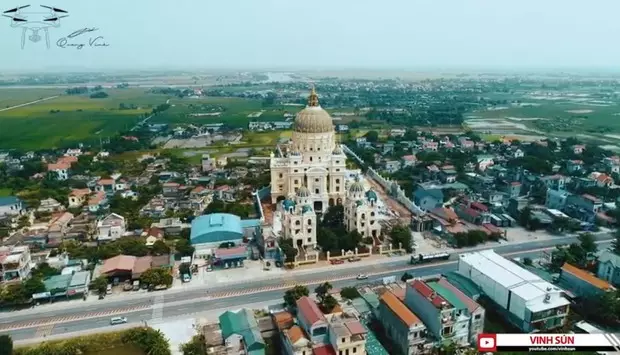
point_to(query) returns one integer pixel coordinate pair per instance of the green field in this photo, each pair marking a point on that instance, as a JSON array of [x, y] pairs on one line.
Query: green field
[[562, 115], [5, 192], [70, 118]]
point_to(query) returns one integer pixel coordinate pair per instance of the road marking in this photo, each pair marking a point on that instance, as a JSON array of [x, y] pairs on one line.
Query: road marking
[[44, 331], [58, 320]]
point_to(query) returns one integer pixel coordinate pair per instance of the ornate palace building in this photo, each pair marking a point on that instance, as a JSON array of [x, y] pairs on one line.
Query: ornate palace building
[[313, 160]]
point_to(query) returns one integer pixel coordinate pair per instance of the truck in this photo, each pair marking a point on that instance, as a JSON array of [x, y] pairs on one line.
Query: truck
[[429, 258]]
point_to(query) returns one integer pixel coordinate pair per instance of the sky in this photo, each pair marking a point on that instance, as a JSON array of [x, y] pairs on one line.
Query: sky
[[321, 34]]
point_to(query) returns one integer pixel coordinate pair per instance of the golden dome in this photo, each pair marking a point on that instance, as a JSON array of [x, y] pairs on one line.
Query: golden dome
[[313, 119]]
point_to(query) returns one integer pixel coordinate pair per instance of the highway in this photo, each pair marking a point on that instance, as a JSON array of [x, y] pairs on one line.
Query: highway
[[77, 316]]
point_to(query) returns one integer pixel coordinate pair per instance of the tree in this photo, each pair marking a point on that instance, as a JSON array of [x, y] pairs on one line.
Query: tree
[[349, 293], [196, 346], [44, 270], [33, 285], [406, 276], [184, 248], [527, 261], [587, 243], [327, 302], [322, 291], [160, 248], [333, 217], [291, 296], [372, 136], [100, 284], [6, 345], [14, 294], [401, 236], [156, 277], [289, 251]]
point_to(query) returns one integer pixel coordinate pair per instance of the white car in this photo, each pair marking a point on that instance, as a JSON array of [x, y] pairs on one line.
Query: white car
[[118, 320], [362, 277]]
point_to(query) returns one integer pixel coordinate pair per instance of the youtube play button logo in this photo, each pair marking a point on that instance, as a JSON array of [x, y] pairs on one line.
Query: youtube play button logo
[[486, 343]]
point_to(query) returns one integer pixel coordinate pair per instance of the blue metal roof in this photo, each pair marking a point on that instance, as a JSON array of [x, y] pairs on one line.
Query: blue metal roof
[[216, 227], [9, 200], [250, 223]]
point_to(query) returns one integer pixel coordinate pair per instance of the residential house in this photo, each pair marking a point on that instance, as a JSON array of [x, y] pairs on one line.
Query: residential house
[[98, 202], [346, 334], [484, 162], [555, 182], [609, 267], [155, 208], [403, 327], [77, 197], [392, 166], [612, 164], [361, 142], [475, 311], [106, 185], [557, 199], [466, 143], [581, 282], [470, 215], [397, 132], [153, 235], [73, 152], [15, 263], [578, 149], [61, 168], [295, 341], [225, 193], [170, 226], [49, 205], [518, 153], [111, 227], [428, 196], [584, 207], [408, 160], [171, 189], [58, 227], [312, 320], [602, 179], [242, 324], [11, 207], [574, 166], [445, 319], [430, 146], [514, 189]]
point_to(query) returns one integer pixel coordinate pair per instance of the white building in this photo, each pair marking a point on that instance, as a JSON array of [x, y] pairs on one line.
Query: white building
[[313, 160], [529, 302], [15, 263], [111, 227], [361, 211], [299, 220]]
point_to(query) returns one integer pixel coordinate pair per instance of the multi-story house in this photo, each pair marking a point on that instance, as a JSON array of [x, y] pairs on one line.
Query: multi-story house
[[11, 208], [61, 168], [582, 283], [402, 326], [609, 267], [98, 202], [171, 189], [555, 182], [50, 205], [409, 160], [445, 319], [476, 311], [106, 186], [584, 207], [111, 227], [346, 334], [556, 199], [428, 196], [574, 166], [15, 263], [312, 320], [392, 166]]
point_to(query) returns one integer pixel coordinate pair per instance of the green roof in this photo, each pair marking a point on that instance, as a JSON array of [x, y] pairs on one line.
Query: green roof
[[464, 284], [57, 283], [243, 323], [447, 294], [371, 298], [373, 346], [253, 340]]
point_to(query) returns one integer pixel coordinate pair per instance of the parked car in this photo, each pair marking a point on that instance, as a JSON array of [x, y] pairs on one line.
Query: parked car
[[354, 258], [362, 277], [209, 268], [108, 290], [118, 320], [186, 278], [336, 262]]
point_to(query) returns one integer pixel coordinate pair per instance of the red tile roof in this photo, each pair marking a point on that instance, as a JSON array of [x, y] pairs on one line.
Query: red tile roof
[[324, 350], [428, 293], [491, 228], [223, 252], [79, 192], [58, 166], [356, 327], [118, 263], [309, 310], [515, 183], [479, 206]]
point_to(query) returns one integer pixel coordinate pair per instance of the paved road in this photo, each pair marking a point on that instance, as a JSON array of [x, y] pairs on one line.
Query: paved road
[[37, 323]]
